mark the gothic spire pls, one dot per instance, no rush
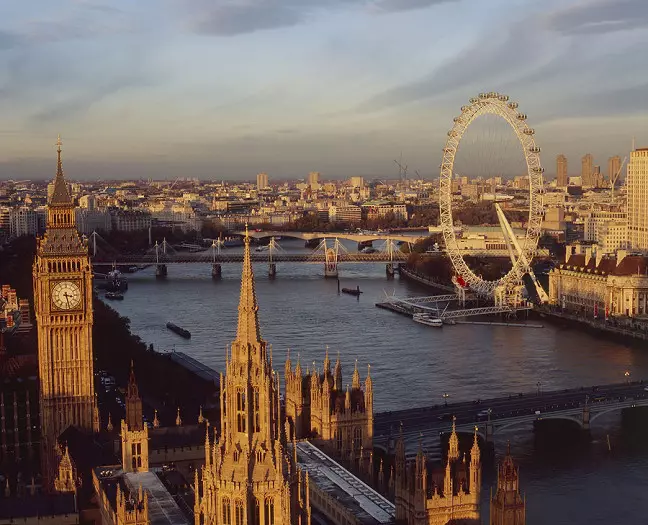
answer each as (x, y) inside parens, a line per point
(453, 444)
(248, 320)
(60, 195)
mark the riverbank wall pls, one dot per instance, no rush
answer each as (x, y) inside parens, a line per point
(609, 329)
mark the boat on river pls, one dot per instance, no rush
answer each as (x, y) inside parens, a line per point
(179, 330)
(352, 291)
(114, 296)
(428, 320)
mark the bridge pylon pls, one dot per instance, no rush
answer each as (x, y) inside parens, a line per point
(160, 268)
(586, 416)
(331, 259)
(272, 266)
(216, 271)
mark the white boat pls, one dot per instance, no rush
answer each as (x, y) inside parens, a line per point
(428, 320)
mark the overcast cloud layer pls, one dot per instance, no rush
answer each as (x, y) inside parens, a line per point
(226, 88)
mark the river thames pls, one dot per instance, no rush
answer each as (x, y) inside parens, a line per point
(413, 365)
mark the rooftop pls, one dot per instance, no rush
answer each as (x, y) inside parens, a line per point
(365, 503)
(163, 510)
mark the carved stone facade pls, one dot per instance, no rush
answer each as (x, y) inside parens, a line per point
(597, 285)
(63, 304)
(318, 406)
(507, 507)
(249, 478)
(423, 497)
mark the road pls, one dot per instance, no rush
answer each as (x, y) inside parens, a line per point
(438, 417)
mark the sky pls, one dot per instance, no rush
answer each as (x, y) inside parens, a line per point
(223, 89)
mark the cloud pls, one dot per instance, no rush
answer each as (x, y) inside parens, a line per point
(599, 16)
(245, 17)
(234, 17)
(406, 5)
(8, 40)
(493, 60)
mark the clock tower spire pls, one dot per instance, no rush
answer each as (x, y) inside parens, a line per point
(62, 278)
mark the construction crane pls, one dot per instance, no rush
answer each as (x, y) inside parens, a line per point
(402, 170)
(614, 178)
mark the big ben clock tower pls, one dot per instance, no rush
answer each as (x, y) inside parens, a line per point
(63, 304)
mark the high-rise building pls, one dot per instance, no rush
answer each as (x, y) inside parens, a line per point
(63, 305)
(313, 180)
(262, 181)
(248, 476)
(597, 177)
(637, 200)
(587, 170)
(562, 178)
(614, 166)
(507, 507)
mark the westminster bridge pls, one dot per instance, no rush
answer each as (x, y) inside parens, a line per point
(580, 406)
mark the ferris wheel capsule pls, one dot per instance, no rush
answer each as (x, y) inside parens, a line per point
(534, 149)
(521, 116)
(513, 105)
(528, 131)
(473, 100)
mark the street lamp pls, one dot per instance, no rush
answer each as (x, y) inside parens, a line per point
(445, 398)
(627, 376)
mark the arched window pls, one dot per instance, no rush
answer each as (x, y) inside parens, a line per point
(240, 410)
(257, 419)
(268, 511)
(227, 512)
(357, 438)
(240, 518)
(256, 514)
(338, 438)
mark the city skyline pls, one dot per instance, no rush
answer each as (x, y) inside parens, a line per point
(196, 90)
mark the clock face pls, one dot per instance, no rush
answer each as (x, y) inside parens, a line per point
(66, 295)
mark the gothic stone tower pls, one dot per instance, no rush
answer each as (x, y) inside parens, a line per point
(248, 477)
(134, 433)
(451, 497)
(508, 506)
(63, 304)
(318, 406)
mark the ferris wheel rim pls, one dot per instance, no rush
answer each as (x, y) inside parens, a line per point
(499, 105)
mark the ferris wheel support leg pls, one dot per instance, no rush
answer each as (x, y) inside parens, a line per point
(544, 298)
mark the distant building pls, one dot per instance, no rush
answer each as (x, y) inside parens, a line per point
(348, 214)
(614, 167)
(262, 181)
(380, 210)
(562, 177)
(637, 199)
(130, 220)
(554, 219)
(587, 170)
(356, 182)
(313, 180)
(23, 221)
(90, 220)
(592, 283)
(88, 202)
(5, 219)
(596, 220)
